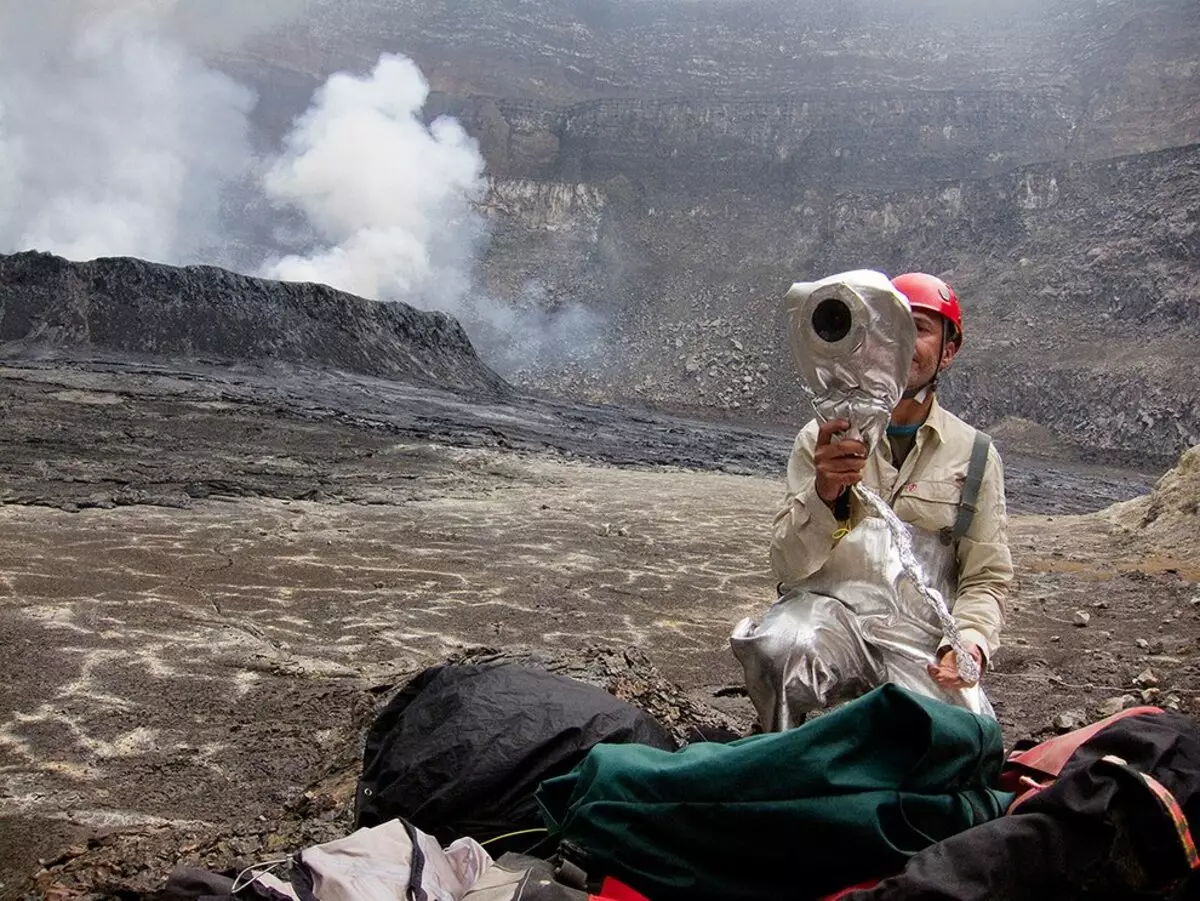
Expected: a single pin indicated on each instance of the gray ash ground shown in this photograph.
(212, 576)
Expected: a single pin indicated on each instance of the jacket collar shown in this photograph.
(936, 420)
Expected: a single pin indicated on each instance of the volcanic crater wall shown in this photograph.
(128, 305)
(1080, 279)
(676, 165)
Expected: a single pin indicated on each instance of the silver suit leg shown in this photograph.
(807, 652)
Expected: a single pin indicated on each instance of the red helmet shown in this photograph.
(928, 292)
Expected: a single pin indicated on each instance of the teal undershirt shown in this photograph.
(901, 439)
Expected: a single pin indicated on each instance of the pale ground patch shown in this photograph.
(144, 643)
(196, 665)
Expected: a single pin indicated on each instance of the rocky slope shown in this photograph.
(673, 166)
(1167, 520)
(133, 306)
(1079, 279)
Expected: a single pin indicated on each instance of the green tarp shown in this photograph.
(848, 796)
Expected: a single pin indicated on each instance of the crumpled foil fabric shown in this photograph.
(856, 623)
(852, 336)
(968, 668)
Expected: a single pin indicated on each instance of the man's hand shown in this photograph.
(945, 671)
(838, 464)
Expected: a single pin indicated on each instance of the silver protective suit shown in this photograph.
(854, 624)
(860, 620)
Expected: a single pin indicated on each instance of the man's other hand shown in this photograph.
(945, 671)
(838, 464)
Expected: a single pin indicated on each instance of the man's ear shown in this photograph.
(949, 352)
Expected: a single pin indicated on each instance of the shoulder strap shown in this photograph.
(970, 492)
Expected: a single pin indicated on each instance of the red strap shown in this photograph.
(862, 886)
(615, 890)
(1044, 762)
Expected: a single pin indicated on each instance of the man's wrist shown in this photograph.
(975, 650)
(823, 491)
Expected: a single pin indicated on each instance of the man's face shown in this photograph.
(929, 344)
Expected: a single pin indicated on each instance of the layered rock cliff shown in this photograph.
(131, 306)
(673, 166)
(1128, 65)
(1079, 282)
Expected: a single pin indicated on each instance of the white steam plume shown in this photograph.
(517, 339)
(393, 202)
(116, 138)
(391, 197)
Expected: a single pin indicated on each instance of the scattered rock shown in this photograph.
(1114, 705)
(1069, 721)
(1142, 643)
(1146, 679)
(1081, 619)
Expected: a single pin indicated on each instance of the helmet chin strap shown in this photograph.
(923, 393)
(920, 395)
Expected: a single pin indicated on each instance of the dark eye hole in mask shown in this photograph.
(831, 320)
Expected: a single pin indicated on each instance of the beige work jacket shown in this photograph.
(925, 492)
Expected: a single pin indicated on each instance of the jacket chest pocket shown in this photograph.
(929, 504)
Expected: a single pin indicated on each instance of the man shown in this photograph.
(920, 471)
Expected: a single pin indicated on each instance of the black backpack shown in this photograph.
(461, 749)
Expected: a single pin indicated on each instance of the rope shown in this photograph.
(968, 668)
(512, 835)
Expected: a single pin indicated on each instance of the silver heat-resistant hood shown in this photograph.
(852, 336)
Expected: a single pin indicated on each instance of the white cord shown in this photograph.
(262, 868)
(968, 667)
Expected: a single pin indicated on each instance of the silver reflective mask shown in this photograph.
(852, 336)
